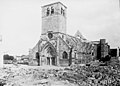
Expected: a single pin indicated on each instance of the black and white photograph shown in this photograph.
(59, 42)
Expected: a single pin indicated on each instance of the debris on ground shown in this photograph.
(93, 74)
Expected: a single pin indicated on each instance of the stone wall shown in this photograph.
(32, 55)
(63, 47)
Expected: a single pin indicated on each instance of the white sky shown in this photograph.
(20, 22)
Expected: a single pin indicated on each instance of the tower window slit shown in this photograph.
(52, 10)
(48, 11)
(61, 10)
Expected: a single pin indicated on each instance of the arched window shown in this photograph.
(61, 10)
(48, 11)
(65, 55)
(52, 10)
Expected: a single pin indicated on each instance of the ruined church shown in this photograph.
(55, 46)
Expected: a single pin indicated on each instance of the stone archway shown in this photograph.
(50, 56)
(49, 53)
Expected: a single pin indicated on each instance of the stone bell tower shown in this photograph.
(54, 18)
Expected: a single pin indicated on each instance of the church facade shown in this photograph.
(55, 47)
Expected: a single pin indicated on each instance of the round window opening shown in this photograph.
(50, 35)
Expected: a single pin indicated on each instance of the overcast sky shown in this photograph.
(20, 22)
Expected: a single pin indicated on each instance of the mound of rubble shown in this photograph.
(94, 75)
(12, 75)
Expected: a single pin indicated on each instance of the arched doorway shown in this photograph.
(38, 58)
(50, 56)
(49, 53)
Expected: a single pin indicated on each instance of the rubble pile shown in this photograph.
(93, 75)
(31, 76)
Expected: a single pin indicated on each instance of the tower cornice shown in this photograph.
(53, 4)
